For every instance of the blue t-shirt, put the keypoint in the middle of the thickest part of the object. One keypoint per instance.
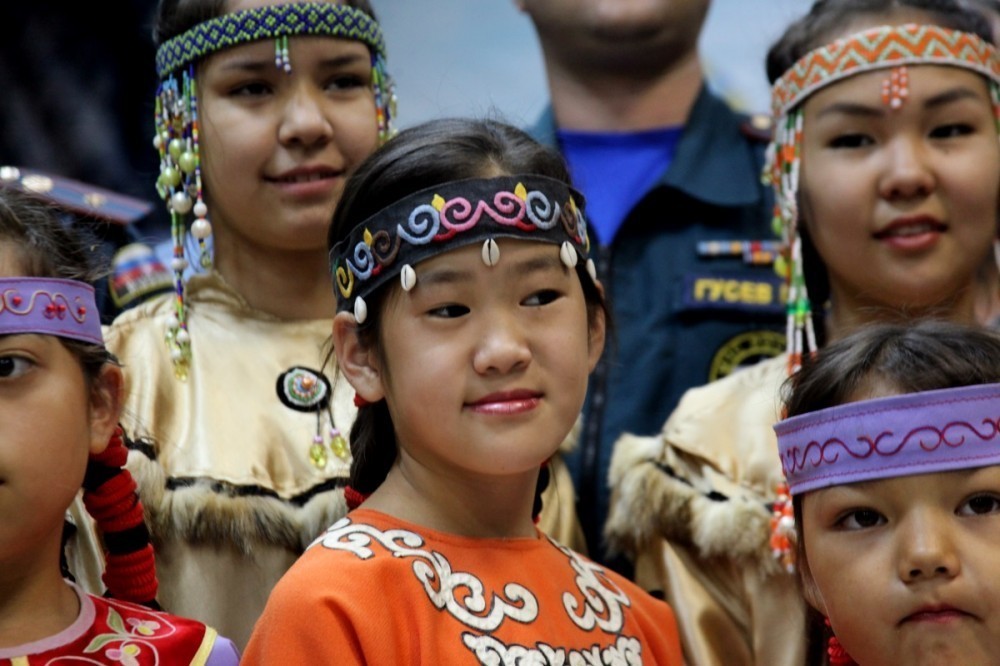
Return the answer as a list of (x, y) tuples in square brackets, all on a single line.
[(614, 170)]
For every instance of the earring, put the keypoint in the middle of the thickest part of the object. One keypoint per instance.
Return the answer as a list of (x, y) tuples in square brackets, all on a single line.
[(838, 655)]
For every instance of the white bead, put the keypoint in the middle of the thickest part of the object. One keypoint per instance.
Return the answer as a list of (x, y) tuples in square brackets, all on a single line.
[(201, 228), (181, 202), (176, 354), (183, 336), (491, 252), (360, 310), (178, 264), (200, 209), (567, 253), (173, 323), (408, 277)]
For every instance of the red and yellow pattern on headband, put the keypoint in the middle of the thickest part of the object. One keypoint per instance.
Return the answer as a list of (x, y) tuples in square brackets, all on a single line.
[(878, 48)]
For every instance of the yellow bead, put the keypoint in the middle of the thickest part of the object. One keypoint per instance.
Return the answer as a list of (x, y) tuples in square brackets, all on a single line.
[(317, 455), (339, 447)]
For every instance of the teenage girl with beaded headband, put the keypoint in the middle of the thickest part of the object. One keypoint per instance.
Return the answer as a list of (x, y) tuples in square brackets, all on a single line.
[(887, 177), (892, 454), (262, 112), (60, 400), (468, 321)]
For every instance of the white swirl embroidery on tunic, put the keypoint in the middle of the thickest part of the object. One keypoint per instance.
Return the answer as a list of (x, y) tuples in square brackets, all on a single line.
[(626, 651), (461, 594), (602, 600)]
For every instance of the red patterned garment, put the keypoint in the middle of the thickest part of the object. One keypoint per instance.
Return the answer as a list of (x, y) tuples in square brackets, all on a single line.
[(118, 633)]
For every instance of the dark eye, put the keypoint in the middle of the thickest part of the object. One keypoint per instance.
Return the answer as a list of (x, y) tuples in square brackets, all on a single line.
[(449, 311), (543, 297), (860, 519), (347, 82), (13, 366), (951, 131), (851, 141), (251, 89), (979, 505)]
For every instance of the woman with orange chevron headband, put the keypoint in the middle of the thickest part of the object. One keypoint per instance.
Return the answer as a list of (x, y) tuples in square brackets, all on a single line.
[(886, 167), (60, 401), (263, 111)]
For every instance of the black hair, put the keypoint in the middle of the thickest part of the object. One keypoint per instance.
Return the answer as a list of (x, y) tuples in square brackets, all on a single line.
[(174, 17), (881, 358), (45, 247), (432, 153)]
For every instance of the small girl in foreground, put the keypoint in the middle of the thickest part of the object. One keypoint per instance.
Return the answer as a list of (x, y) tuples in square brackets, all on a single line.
[(891, 449), (60, 400), (468, 321)]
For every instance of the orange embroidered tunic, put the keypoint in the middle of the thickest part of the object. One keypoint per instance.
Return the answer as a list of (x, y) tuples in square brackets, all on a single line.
[(377, 590)]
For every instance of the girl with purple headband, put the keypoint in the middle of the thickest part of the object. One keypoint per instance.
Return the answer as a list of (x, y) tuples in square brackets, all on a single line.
[(60, 400), (469, 318), (263, 109), (891, 449), (885, 166)]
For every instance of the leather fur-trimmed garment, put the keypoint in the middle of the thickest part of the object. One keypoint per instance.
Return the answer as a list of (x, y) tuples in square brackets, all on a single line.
[(691, 508), (223, 466)]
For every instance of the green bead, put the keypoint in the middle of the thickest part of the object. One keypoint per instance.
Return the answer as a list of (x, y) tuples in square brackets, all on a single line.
[(171, 176), (777, 226), (175, 148), (781, 266), (187, 161)]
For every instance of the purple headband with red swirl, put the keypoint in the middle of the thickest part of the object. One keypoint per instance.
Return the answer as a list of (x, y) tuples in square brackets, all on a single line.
[(901, 435), (49, 306)]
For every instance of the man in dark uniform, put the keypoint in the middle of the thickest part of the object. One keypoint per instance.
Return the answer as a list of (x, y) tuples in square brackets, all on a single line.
[(111, 220), (681, 220)]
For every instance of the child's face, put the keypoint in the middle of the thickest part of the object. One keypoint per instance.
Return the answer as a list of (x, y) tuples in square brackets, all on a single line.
[(908, 569), (486, 367), (901, 204), (44, 443), (276, 147)]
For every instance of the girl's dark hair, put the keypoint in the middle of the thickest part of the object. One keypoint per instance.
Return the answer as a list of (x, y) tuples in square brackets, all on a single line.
[(435, 152), (822, 24), (827, 18), (174, 17), (44, 247), (902, 358)]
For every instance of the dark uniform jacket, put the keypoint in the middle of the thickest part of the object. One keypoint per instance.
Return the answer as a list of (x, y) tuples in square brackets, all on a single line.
[(682, 317)]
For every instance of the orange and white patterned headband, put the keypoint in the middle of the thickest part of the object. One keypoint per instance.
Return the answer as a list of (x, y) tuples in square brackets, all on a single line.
[(878, 48), (885, 47)]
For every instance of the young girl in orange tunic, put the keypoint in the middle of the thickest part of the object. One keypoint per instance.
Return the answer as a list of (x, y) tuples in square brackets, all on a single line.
[(468, 321), (60, 400), (891, 449)]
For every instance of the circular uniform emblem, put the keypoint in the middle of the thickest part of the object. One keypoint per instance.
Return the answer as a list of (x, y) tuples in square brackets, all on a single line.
[(745, 349)]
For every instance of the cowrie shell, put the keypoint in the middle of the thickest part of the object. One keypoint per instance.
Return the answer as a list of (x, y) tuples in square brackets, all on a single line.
[(591, 269), (568, 254), (491, 252), (408, 277), (360, 310)]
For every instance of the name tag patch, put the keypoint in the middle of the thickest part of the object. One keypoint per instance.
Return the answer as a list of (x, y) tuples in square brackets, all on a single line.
[(734, 291)]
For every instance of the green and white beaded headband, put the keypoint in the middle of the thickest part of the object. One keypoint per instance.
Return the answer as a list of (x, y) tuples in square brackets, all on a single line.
[(323, 19)]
